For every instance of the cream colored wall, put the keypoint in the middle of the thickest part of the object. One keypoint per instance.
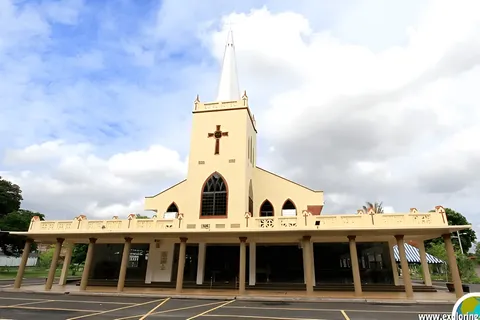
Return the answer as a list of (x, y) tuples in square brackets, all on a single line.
[(155, 271), (277, 190), (233, 147), (161, 201)]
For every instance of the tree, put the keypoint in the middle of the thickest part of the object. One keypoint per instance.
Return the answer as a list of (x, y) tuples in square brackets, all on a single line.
[(477, 251), (467, 237), (376, 206), (139, 216), (16, 221), (46, 257), (10, 197)]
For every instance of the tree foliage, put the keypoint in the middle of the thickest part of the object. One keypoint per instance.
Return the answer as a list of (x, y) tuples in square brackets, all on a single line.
[(46, 257), (467, 237), (10, 197), (139, 216), (376, 206), (16, 221), (79, 253)]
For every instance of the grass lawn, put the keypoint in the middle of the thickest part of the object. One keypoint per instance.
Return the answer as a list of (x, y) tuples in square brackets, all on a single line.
[(30, 272)]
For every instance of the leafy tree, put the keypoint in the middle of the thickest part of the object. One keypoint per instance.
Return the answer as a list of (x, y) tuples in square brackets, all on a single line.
[(376, 206), (467, 237), (477, 251), (79, 253), (16, 221), (46, 257), (139, 216), (10, 197)]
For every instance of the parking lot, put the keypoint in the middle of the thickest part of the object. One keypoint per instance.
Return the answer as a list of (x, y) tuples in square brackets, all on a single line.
[(24, 306)]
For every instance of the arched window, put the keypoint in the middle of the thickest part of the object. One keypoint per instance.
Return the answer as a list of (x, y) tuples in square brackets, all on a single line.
[(266, 209), (250, 198), (289, 209), (172, 208), (214, 196)]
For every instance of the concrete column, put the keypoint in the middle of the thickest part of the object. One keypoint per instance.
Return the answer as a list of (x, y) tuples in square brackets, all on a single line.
[(53, 265), (307, 263), (252, 277), (423, 258), (181, 264), (66, 264), (396, 278), (452, 263), (88, 264), (313, 267), (243, 265), (202, 250), (23, 264), (407, 281), (357, 281), (124, 265)]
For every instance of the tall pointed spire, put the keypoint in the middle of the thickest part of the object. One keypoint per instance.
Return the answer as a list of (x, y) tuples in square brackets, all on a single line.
[(228, 88)]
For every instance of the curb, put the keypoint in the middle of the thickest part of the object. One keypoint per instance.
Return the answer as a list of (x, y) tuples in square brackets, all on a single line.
[(241, 298)]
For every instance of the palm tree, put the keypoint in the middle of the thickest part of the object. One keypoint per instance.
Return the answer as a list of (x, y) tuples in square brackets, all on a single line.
[(376, 206)]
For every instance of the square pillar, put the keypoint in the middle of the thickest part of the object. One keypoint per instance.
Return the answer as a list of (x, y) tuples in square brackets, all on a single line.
[(88, 264), (423, 259), (23, 264), (202, 249), (252, 277), (124, 265), (452, 263), (243, 265), (357, 281), (53, 265), (181, 264), (66, 264), (407, 281), (396, 278), (307, 263)]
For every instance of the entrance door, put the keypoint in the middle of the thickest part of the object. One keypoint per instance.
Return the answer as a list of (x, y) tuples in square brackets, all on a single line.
[(222, 264), (279, 263), (191, 262)]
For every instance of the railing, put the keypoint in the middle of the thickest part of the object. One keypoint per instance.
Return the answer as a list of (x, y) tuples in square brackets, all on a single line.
[(305, 221)]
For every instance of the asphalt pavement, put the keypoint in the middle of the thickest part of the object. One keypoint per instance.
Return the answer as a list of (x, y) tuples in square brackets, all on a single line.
[(26, 306)]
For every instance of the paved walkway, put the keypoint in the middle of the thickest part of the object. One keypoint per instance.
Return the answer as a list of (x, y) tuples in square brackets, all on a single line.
[(254, 295), (23, 306)]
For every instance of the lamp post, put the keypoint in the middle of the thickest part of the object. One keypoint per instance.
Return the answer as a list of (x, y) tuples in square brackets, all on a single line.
[(459, 241)]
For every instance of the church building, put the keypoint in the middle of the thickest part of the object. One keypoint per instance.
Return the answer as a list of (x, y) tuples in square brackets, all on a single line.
[(233, 225)]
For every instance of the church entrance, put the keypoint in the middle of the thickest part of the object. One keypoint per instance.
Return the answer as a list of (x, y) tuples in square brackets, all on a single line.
[(191, 263), (333, 263), (279, 263), (222, 264)]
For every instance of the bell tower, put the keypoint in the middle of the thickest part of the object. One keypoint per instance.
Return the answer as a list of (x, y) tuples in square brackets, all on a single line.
[(223, 146)]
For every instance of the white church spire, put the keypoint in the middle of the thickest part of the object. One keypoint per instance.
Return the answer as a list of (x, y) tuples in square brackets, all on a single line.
[(228, 88)]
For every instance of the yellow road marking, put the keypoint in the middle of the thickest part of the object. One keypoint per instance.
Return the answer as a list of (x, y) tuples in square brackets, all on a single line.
[(257, 317), (345, 315), (333, 310), (210, 310), (25, 303), (67, 300), (172, 310), (116, 309), (54, 309), (150, 312)]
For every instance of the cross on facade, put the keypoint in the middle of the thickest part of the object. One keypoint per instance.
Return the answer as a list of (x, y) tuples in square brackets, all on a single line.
[(218, 134)]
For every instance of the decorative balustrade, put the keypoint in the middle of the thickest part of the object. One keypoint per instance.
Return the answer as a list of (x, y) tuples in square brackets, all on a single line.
[(305, 221)]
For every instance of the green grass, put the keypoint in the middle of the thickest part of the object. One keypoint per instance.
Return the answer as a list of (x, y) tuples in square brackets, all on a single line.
[(30, 272)]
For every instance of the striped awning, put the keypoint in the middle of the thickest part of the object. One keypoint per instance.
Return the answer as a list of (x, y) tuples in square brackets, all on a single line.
[(413, 255)]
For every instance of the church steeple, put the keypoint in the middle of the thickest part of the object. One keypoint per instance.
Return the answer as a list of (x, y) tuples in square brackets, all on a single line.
[(228, 89)]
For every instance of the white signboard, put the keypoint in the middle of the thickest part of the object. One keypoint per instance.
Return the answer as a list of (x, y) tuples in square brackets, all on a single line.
[(170, 215), (289, 212)]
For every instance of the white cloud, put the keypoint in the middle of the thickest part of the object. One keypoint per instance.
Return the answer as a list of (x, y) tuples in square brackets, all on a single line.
[(364, 101)]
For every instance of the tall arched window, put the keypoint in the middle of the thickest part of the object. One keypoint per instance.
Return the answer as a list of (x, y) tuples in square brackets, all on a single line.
[(289, 209), (172, 207), (266, 209), (214, 196)]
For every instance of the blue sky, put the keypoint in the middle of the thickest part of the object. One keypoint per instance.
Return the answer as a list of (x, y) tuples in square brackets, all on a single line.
[(366, 100)]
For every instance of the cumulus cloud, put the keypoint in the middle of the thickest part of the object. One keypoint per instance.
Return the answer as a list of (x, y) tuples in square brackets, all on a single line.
[(366, 102)]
